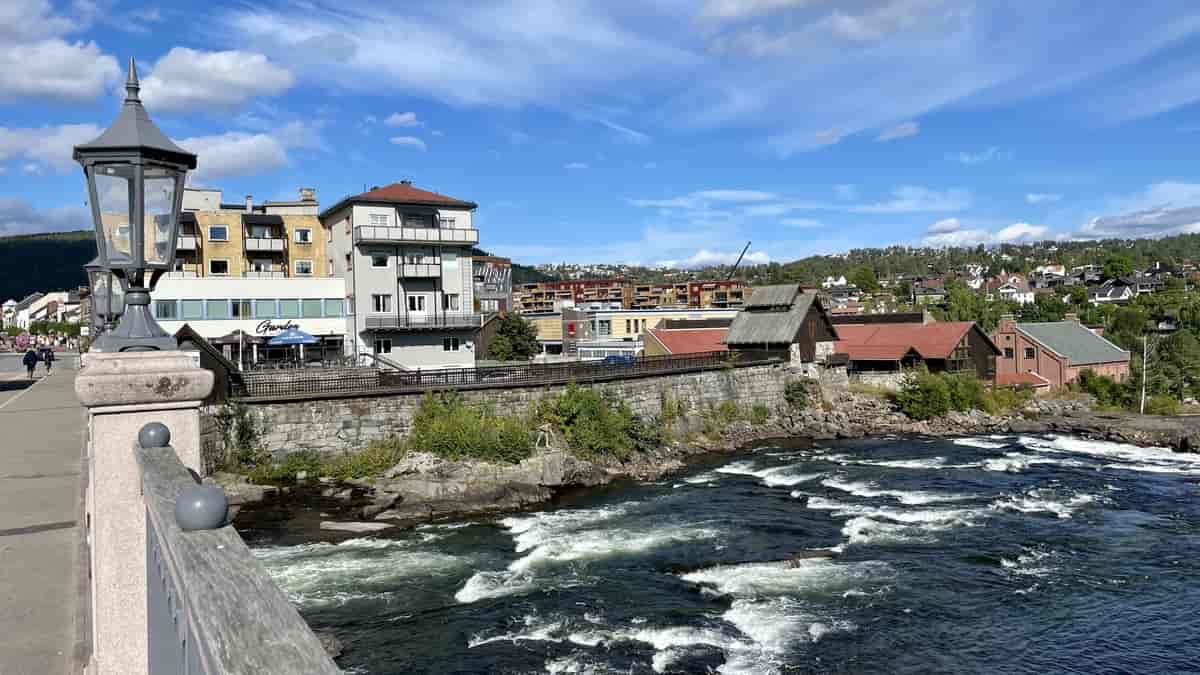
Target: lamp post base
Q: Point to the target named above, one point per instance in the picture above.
(137, 331)
(109, 343)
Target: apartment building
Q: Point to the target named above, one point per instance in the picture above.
(405, 254)
(594, 334)
(271, 240)
(617, 293)
(493, 283)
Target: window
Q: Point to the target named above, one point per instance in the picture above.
(379, 220)
(329, 235)
(383, 346)
(304, 268)
(604, 327)
(450, 302)
(260, 265)
(218, 268)
(450, 344)
(216, 309)
(303, 235)
(241, 309)
(264, 309)
(381, 303)
(446, 223)
(412, 220)
(334, 307)
(261, 232)
(289, 309)
(166, 309)
(1029, 352)
(379, 260)
(310, 309)
(416, 303)
(1008, 352)
(192, 309)
(628, 326)
(218, 233)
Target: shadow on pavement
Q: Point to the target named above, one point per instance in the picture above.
(16, 385)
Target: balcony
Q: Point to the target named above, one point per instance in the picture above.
(265, 244)
(265, 274)
(416, 235)
(420, 270)
(437, 321)
(187, 242)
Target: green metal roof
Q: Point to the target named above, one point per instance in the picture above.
(1074, 341)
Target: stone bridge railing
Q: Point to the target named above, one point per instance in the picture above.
(172, 591)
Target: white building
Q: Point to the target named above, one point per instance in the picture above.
(216, 307)
(830, 282)
(406, 256)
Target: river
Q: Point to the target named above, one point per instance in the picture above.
(970, 555)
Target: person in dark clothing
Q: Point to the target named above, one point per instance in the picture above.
(48, 357)
(30, 361)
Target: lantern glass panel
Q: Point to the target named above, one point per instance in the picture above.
(160, 215)
(114, 195)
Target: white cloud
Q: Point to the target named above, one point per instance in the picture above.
(902, 130)
(1015, 233)
(18, 216)
(978, 157)
(404, 119)
(1042, 197)
(55, 69)
(237, 153)
(735, 195)
(409, 141)
(28, 20)
(575, 165)
(707, 258)
(739, 9)
(1150, 223)
(190, 80)
(805, 223)
(916, 199)
(46, 146)
(945, 225)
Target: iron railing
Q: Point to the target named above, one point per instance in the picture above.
(418, 235)
(312, 383)
(429, 321)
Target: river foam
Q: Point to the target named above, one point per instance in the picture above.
(913, 497)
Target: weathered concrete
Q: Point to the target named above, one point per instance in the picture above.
(336, 425)
(41, 454)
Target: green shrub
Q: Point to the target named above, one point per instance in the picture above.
(1162, 404)
(373, 460)
(966, 391)
(671, 409)
(798, 393)
(1107, 392)
(759, 414)
(1007, 399)
(924, 395)
(448, 427)
(276, 473)
(597, 424)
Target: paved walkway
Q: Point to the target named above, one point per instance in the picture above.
(41, 448)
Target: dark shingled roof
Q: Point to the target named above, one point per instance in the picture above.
(1074, 341)
(769, 318)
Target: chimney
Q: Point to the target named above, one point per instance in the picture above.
(308, 195)
(249, 203)
(1008, 324)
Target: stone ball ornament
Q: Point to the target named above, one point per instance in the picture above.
(201, 507)
(154, 435)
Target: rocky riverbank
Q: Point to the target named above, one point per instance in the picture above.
(423, 487)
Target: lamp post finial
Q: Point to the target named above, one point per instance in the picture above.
(131, 83)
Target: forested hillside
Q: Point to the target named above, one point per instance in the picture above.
(44, 262)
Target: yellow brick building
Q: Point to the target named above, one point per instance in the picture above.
(268, 240)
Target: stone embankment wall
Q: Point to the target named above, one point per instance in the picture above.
(337, 424)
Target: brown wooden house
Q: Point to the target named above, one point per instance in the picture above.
(782, 321)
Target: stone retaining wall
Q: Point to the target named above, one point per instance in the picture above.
(339, 424)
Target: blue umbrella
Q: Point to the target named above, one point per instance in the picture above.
(292, 336)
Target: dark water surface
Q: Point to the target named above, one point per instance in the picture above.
(977, 555)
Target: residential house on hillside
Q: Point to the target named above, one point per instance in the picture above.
(1055, 351)
(1009, 288)
(929, 295)
(784, 321)
(1116, 291)
(830, 282)
(879, 352)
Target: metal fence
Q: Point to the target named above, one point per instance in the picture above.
(315, 383)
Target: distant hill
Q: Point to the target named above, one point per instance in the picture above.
(44, 262)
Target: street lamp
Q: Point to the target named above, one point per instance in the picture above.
(135, 180)
(108, 298)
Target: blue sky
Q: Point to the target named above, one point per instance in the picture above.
(651, 131)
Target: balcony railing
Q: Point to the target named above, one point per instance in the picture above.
(434, 321)
(183, 274)
(421, 270)
(266, 274)
(266, 244)
(187, 242)
(417, 235)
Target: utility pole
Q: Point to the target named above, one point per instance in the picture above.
(1145, 354)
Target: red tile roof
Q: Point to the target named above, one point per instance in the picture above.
(1031, 379)
(691, 340)
(405, 193)
(891, 341)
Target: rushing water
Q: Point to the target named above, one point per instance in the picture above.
(982, 554)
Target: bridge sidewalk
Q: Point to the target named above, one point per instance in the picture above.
(41, 446)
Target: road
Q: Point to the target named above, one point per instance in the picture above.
(41, 447)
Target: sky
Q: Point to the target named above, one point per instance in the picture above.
(649, 132)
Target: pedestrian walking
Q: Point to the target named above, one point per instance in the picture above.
(48, 357)
(30, 361)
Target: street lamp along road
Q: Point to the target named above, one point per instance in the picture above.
(108, 298)
(135, 180)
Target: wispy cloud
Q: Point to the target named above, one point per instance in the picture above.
(1042, 197)
(409, 142)
(804, 223)
(918, 199)
(1015, 233)
(402, 119)
(239, 153)
(49, 146)
(575, 165)
(18, 216)
(969, 158)
(902, 130)
(188, 79)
